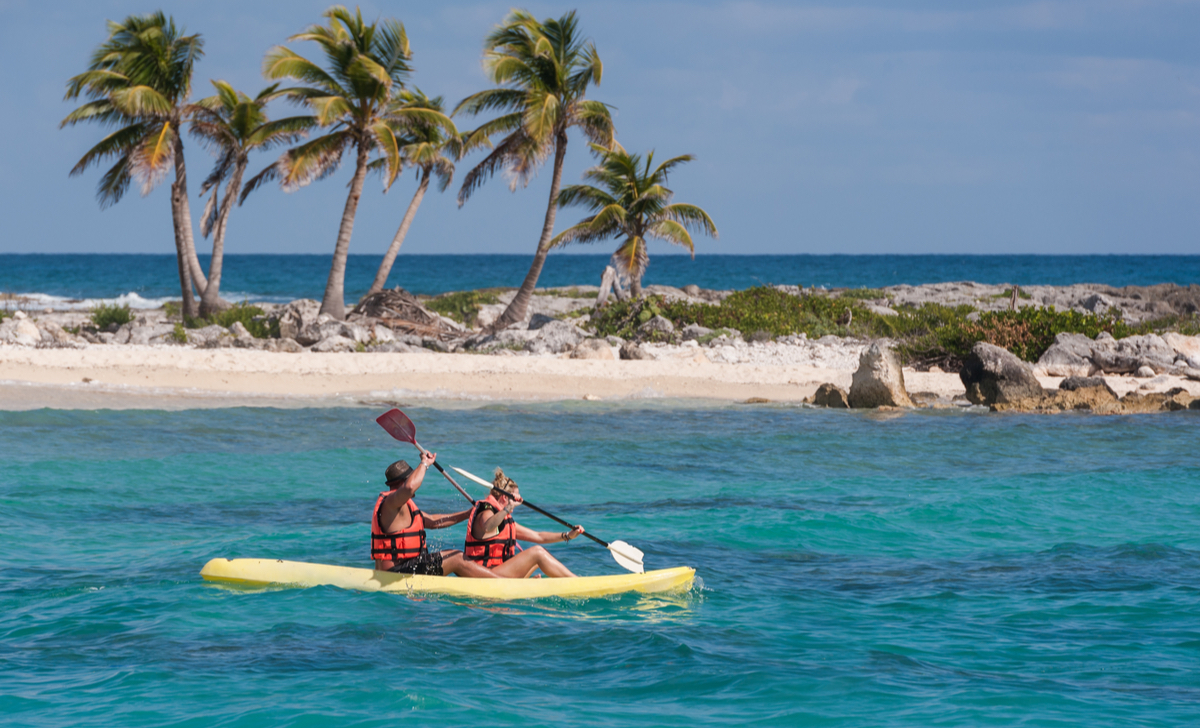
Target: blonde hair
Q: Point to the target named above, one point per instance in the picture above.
(502, 482)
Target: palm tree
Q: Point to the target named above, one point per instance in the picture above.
(425, 147)
(632, 201)
(367, 66)
(139, 80)
(543, 70)
(233, 125)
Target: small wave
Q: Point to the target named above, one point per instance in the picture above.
(33, 301)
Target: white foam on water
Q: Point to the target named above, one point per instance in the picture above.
(38, 301)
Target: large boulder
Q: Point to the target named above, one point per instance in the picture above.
(24, 332)
(205, 337)
(1169, 401)
(830, 395)
(993, 375)
(879, 381)
(296, 317)
(630, 351)
(1069, 356)
(1131, 353)
(692, 332)
(555, 338)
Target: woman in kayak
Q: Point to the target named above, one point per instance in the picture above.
(492, 536)
(398, 528)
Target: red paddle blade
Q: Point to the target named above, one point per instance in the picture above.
(398, 426)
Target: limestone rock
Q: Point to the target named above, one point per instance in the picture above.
(1084, 393)
(830, 395)
(1144, 372)
(335, 343)
(879, 380)
(295, 317)
(25, 332)
(1186, 347)
(1169, 401)
(1069, 356)
(632, 352)
(538, 320)
(593, 349)
(555, 338)
(395, 347)
(286, 345)
(993, 375)
(206, 336)
(691, 332)
(656, 327)
(143, 335)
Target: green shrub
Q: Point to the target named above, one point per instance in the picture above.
(870, 294)
(106, 314)
(5, 314)
(568, 293)
(463, 306)
(173, 310)
(249, 316)
(179, 335)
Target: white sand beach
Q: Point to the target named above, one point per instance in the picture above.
(180, 377)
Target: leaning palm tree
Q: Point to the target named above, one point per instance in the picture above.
(432, 150)
(367, 66)
(632, 202)
(232, 124)
(139, 80)
(543, 70)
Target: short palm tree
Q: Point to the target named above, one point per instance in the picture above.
(139, 80)
(355, 98)
(432, 150)
(543, 70)
(232, 124)
(632, 202)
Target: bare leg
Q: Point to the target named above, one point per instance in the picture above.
(533, 557)
(454, 563)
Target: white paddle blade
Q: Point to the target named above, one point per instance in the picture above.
(476, 478)
(627, 556)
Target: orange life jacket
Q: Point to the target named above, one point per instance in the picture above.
(388, 548)
(491, 552)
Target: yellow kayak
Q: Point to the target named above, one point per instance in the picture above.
(275, 572)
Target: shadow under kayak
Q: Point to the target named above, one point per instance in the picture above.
(276, 572)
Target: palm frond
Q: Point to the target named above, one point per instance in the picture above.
(691, 217)
(672, 232)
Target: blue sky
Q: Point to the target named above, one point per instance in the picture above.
(871, 127)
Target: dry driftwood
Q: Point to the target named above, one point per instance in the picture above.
(400, 310)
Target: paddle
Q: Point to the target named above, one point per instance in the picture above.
(627, 556)
(403, 429)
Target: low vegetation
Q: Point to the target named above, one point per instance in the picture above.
(108, 314)
(252, 317)
(924, 335)
(463, 306)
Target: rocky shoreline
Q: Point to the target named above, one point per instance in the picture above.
(395, 322)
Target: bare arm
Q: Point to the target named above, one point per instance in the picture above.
(445, 520)
(485, 524)
(531, 536)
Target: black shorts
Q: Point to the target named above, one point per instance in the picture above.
(428, 564)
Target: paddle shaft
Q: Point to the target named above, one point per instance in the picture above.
(438, 465)
(568, 525)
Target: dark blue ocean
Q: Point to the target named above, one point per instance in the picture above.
(281, 278)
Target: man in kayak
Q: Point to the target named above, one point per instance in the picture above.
(398, 528)
(492, 536)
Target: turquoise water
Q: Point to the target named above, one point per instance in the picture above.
(956, 569)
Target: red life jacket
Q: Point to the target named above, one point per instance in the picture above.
(388, 548)
(491, 552)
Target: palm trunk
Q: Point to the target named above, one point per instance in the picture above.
(334, 301)
(520, 304)
(385, 266)
(188, 305)
(635, 286)
(185, 218)
(210, 301)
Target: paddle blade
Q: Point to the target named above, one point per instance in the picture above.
(627, 556)
(476, 478)
(398, 426)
